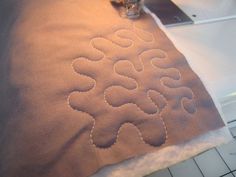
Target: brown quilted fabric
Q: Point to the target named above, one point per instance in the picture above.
(96, 89)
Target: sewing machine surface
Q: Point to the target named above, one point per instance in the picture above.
(168, 12)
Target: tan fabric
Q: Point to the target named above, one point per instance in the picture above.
(96, 89)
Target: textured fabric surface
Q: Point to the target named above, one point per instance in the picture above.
(166, 157)
(95, 89)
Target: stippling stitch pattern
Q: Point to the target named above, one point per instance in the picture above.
(134, 83)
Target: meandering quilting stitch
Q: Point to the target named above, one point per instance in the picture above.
(125, 92)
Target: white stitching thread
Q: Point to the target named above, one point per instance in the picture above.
(122, 125)
(128, 103)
